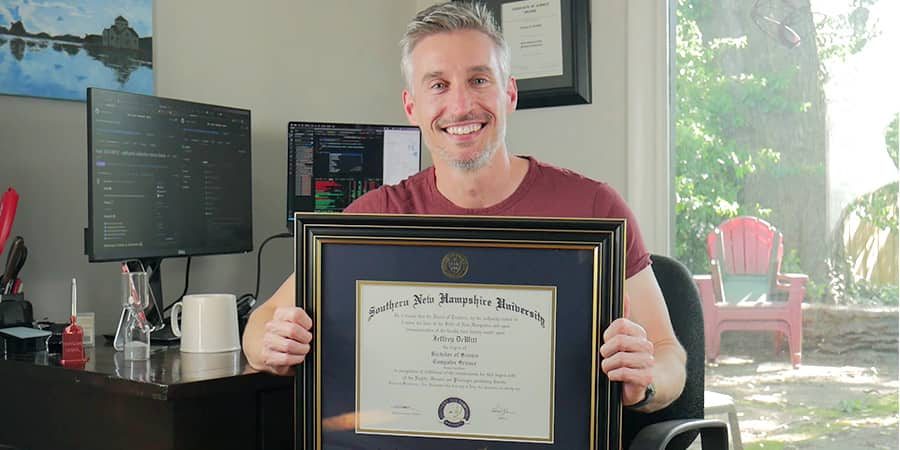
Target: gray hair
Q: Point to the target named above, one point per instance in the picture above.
(453, 16)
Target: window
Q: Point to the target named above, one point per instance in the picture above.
(787, 110)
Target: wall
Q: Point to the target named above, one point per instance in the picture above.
(284, 60)
(289, 60)
(590, 139)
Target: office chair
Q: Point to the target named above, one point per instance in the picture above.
(677, 425)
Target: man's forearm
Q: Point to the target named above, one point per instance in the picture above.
(668, 375)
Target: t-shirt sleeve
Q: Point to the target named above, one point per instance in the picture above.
(372, 202)
(608, 203)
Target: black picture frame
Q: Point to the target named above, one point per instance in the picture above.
(583, 259)
(573, 87)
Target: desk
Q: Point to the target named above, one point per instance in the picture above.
(172, 401)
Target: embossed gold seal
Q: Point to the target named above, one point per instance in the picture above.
(454, 265)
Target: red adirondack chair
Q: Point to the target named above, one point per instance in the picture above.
(746, 289)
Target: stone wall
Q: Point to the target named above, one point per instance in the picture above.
(828, 329)
(839, 329)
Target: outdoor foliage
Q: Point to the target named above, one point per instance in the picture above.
(841, 35)
(710, 164)
(712, 107)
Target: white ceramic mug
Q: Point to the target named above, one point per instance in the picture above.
(208, 323)
(206, 366)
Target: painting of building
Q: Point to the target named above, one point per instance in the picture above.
(120, 35)
(59, 49)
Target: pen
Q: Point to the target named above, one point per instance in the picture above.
(74, 299)
(135, 302)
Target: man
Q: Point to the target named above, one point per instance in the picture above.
(459, 92)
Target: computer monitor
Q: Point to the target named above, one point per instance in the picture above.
(332, 164)
(166, 178)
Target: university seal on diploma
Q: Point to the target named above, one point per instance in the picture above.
(454, 265)
(454, 412)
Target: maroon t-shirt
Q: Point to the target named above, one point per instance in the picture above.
(546, 191)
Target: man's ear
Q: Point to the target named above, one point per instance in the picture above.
(512, 94)
(408, 106)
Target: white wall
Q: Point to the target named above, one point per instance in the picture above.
(285, 60)
(590, 139)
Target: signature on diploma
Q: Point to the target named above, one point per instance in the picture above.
(405, 410)
(502, 413)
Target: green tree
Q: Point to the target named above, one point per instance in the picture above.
(710, 163)
(737, 115)
(891, 139)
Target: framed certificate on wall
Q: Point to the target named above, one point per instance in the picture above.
(550, 49)
(434, 332)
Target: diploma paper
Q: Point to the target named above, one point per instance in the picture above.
(533, 30)
(455, 360)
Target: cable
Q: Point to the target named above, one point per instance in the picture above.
(245, 298)
(187, 279)
(259, 259)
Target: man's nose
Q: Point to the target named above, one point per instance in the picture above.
(461, 100)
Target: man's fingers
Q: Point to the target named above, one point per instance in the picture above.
(623, 326)
(627, 344)
(280, 351)
(627, 360)
(295, 315)
(279, 360)
(285, 345)
(641, 377)
(289, 330)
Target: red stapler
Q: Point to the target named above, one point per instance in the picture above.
(7, 214)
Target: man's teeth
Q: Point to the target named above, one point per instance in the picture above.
(464, 129)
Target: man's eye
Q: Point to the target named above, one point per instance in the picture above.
(480, 81)
(438, 86)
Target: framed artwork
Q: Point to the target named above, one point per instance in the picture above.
(550, 49)
(436, 332)
(59, 49)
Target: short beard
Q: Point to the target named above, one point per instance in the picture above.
(479, 161)
(470, 165)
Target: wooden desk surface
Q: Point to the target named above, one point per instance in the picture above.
(174, 400)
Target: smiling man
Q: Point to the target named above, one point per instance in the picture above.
(459, 91)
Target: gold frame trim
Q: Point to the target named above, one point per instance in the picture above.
(467, 242)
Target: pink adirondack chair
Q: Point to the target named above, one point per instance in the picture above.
(746, 290)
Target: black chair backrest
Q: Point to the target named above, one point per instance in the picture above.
(686, 313)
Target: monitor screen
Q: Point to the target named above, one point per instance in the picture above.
(166, 177)
(332, 164)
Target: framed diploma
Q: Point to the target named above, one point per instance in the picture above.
(550, 49)
(438, 332)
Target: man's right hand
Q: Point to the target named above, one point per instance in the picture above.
(286, 339)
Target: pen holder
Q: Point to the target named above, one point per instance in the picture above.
(133, 331)
(15, 311)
